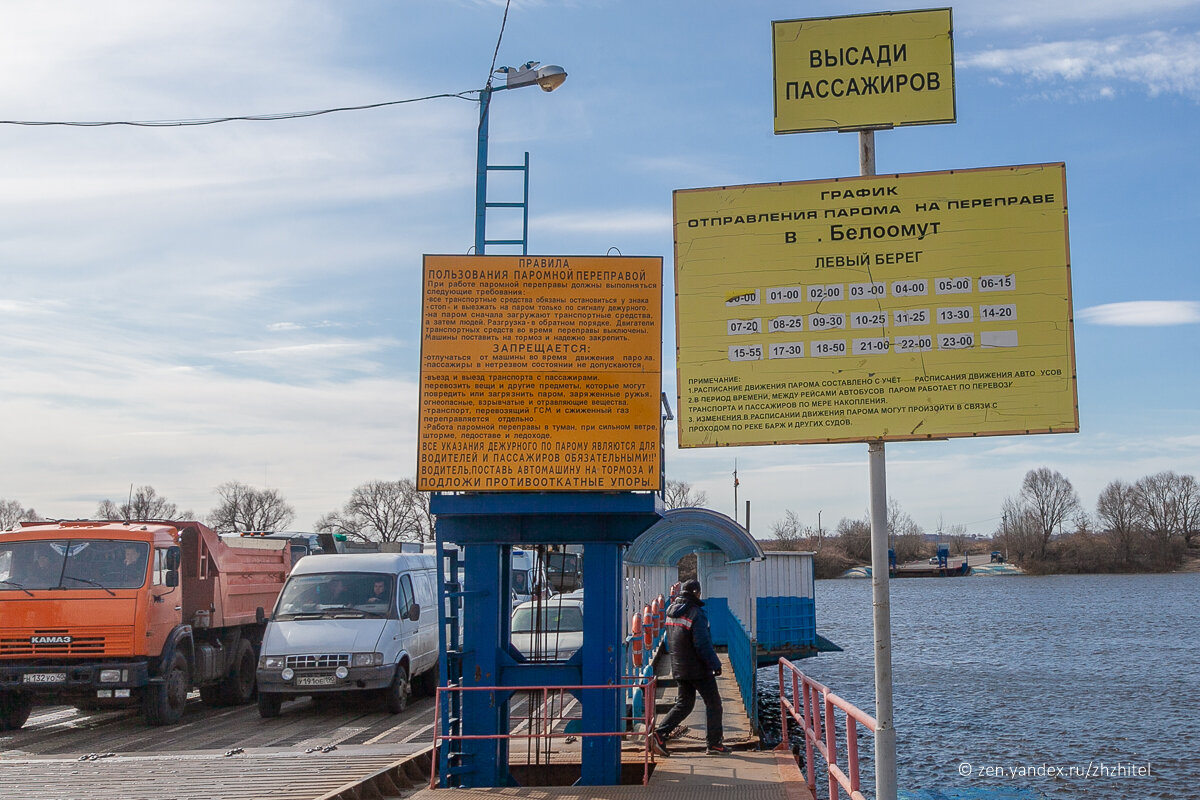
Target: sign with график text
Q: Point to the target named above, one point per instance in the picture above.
(896, 307)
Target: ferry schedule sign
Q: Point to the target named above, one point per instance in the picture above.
(540, 373)
(864, 71)
(900, 307)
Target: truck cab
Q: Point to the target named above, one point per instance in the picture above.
(100, 614)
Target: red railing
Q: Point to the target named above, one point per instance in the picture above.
(815, 713)
(544, 718)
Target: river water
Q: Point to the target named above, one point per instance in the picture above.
(1095, 678)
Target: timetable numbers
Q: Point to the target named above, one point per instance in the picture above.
(784, 324)
(829, 347)
(914, 344)
(832, 291)
(787, 350)
(785, 294)
(869, 347)
(997, 283)
(868, 319)
(911, 288)
(998, 313)
(867, 291)
(741, 327)
(750, 352)
(743, 299)
(952, 316)
(826, 322)
(955, 341)
(911, 316)
(952, 285)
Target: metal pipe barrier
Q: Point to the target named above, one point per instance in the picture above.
(544, 718)
(815, 713)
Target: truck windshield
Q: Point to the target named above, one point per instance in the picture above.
(553, 618)
(73, 564)
(332, 594)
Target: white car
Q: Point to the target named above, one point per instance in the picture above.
(549, 630)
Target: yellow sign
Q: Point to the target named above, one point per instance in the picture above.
(540, 373)
(865, 71)
(902, 307)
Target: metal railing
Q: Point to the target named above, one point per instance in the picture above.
(548, 720)
(815, 712)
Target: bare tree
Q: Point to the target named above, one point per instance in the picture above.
(12, 512)
(1120, 514)
(1188, 497)
(1157, 499)
(854, 538)
(905, 536)
(1019, 533)
(383, 511)
(143, 504)
(1050, 498)
(244, 508)
(679, 494)
(792, 534)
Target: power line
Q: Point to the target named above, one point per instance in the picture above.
(500, 38)
(178, 123)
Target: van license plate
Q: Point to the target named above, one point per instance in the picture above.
(45, 677)
(316, 680)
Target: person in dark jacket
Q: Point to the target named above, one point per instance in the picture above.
(695, 667)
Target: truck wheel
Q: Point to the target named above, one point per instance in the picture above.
(395, 697)
(14, 710)
(238, 688)
(165, 701)
(269, 705)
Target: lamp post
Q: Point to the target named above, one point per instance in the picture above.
(549, 78)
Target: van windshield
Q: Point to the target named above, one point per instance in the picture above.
(338, 594)
(554, 618)
(73, 564)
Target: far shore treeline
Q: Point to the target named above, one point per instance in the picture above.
(1150, 525)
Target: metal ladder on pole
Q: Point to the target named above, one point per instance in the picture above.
(450, 664)
(523, 205)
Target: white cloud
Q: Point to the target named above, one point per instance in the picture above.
(1160, 61)
(1149, 313)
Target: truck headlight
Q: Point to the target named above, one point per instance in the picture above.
(341, 673)
(366, 659)
(110, 676)
(270, 662)
(287, 674)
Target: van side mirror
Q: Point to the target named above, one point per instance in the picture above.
(171, 579)
(414, 612)
(173, 559)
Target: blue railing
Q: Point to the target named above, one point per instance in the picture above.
(729, 631)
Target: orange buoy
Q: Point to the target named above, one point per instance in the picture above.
(636, 630)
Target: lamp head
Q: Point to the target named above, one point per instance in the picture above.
(550, 77)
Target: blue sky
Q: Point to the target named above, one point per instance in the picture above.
(185, 306)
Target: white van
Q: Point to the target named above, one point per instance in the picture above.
(352, 622)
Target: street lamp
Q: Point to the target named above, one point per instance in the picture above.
(549, 78)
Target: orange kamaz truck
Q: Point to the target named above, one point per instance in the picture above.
(109, 614)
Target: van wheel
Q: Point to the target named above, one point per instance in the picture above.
(165, 701)
(395, 697)
(269, 705)
(14, 710)
(238, 688)
(427, 682)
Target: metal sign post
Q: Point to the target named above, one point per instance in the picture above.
(885, 732)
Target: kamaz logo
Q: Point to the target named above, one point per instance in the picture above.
(49, 639)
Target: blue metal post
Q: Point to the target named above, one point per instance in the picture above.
(483, 713)
(602, 663)
(481, 170)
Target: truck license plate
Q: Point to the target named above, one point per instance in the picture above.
(45, 677)
(316, 680)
